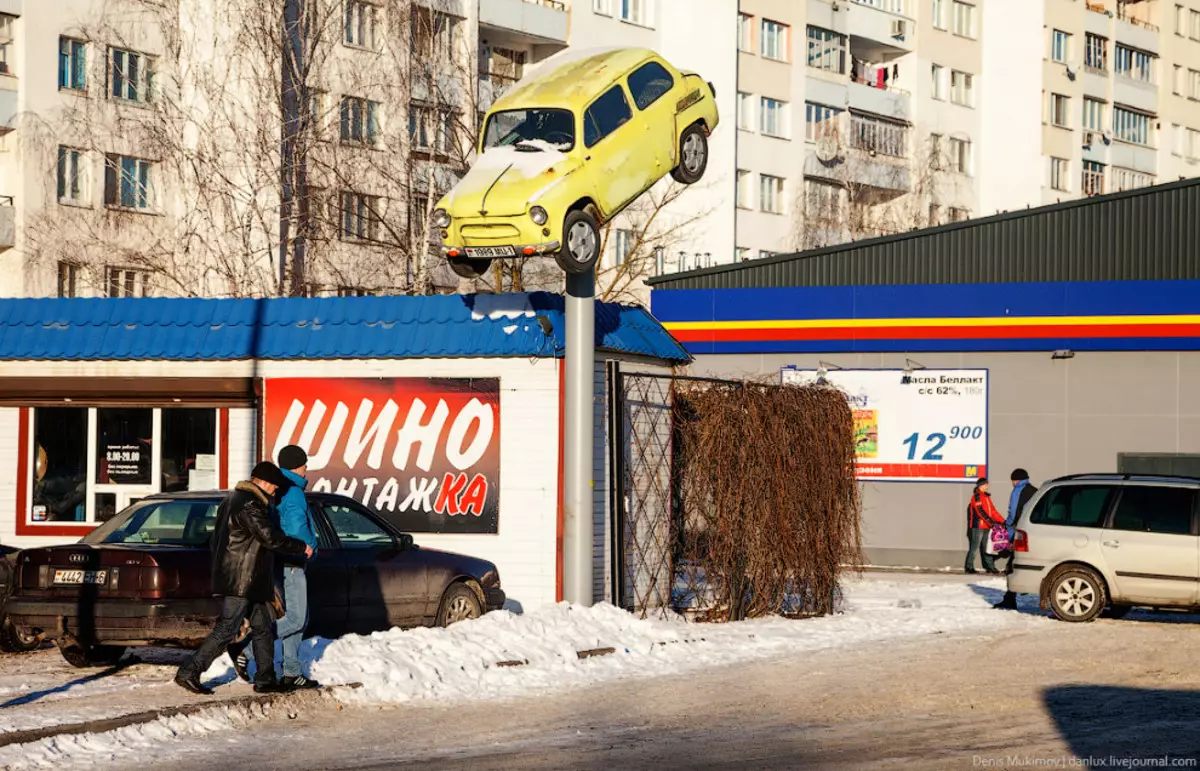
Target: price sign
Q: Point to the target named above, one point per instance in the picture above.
(929, 425)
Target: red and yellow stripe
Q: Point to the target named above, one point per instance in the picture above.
(1002, 327)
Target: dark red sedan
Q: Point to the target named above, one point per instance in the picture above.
(142, 578)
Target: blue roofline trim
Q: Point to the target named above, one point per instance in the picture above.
(401, 327)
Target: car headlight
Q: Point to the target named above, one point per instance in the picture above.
(441, 219)
(538, 215)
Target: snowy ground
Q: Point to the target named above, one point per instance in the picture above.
(439, 666)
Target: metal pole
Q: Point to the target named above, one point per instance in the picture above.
(578, 430)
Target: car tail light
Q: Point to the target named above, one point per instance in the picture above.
(1021, 541)
(452, 253)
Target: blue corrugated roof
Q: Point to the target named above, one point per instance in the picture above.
(319, 328)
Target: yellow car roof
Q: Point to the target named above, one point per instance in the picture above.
(574, 82)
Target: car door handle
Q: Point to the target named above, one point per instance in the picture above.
(1111, 544)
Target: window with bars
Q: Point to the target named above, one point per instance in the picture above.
(1095, 53)
(1135, 64)
(359, 120)
(1132, 126)
(360, 24)
(129, 183)
(131, 75)
(826, 50)
(72, 64)
(775, 40)
(127, 282)
(1093, 178)
(819, 120)
(72, 176)
(361, 219)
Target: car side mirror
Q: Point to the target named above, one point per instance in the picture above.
(406, 541)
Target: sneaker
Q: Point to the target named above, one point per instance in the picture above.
(272, 686)
(993, 572)
(241, 665)
(299, 683)
(191, 682)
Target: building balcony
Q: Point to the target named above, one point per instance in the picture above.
(861, 152)
(8, 223)
(525, 22)
(878, 30)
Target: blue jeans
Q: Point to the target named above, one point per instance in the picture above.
(290, 628)
(233, 611)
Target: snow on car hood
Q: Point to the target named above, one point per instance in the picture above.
(504, 180)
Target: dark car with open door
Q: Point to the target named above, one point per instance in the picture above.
(143, 578)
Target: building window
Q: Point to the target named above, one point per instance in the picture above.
(775, 40)
(360, 24)
(1093, 114)
(1060, 174)
(72, 64)
(602, 7)
(746, 33)
(354, 291)
(745, 194)
(132, 75)
(770, 194)
(935, 215)
(129, 183)
(1093, 178)
(960, 155)
(636, 12)
(1128, 179)
(939, 14)
(318, 106)
(1193, 144)
(1177, 80)
(1060, 110)
(432, 34)
(623, 243)
(68, 279)
(1194, 25)
(1135, 64)
(957, 214)
(876, 135)
(431, 130)
(360, 217)
(1095, 53)
(127, 282)
(745, 111)
(7, 22)
(1193, 81)
(964, 19)
(823, 203)
(72, 176)
(1060, 46)
(826, 50)
(962, 88)
(1180, 20)
(938, 73)
(1132, 126)
(774, 118)
(359, 120)
(819, 120)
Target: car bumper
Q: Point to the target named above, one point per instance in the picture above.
(494, 598)
(523, 250)
(131, 622)
(1026, 578)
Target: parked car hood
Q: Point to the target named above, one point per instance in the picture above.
(472, 566)
(505, 181)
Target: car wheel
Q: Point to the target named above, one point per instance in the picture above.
(467, 267)
(14, 640)
(1117, 611)
(1077, 594)
(693, 155)
(581, 243)
(89, 656)
(459, 603)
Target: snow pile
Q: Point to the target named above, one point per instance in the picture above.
(501, 306)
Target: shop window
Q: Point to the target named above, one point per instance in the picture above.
(189, 450)
(124, 438)
(59, 465)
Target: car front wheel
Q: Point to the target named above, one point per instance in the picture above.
(581, 243)
(467, 267)
(459, 603)
(693, 155)
(1077, 594)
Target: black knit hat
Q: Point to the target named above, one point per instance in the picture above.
(292, 458)
(269, 472)
(1020, 475)
(980, 482)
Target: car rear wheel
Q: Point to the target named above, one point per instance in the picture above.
(581, 243)
(14, 640)
(89, 656)
(693, 155)
(467, 267)
(459, 603)
(1077, 594)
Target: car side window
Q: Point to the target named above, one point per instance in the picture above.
(649, 82)
(1073, 506)
(356, 530)
(606, 115)
(1148, 509)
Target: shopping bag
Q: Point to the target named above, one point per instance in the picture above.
(998, 540)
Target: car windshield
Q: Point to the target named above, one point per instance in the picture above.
(180, 522)
(533, 130)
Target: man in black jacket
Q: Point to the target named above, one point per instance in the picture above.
(243, 570)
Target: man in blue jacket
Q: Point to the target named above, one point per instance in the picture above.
(296, 520)
(1021, 493)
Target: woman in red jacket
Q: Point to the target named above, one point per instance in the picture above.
(981, 516)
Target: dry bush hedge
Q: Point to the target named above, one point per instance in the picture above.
(770, 506)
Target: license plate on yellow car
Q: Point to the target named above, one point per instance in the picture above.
(491, 251)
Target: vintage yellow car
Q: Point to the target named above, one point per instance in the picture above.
(565, 151)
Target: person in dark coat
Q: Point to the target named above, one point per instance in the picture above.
(243, 573)
(1022, 492)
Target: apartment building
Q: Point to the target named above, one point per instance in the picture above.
(856, 118)
(1100, 96)
(195, 148)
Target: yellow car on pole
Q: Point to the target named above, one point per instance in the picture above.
(566, 150)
